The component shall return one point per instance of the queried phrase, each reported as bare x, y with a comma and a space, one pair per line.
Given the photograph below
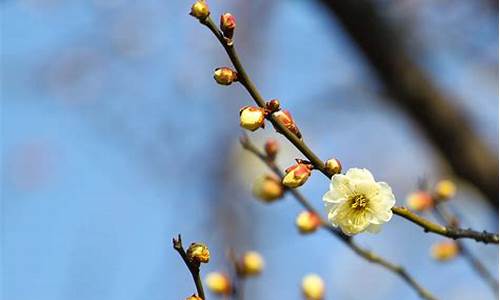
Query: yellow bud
296, 175
313, 287
445, 189
333, 166
198, 253
200, 10
268, 188
307, 222
444, 251
252, 117
251, 264
420, 201
218, 283
225, 76
194, 297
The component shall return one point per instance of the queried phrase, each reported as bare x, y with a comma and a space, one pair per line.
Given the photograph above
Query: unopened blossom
285, 118
296, 175
225, 76
420, 201
307, 222
445, 189
200, 10
252, 117
444, 251
333, 166
198, 253
313, 287
251, 263
218, 283
356, 202
271, 147
194, 297
227, 25
268, 188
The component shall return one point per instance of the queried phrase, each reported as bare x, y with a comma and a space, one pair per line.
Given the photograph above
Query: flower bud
225, 76
198, 253
268, 188
273, 105
313, 287
444, 251
333, 166
271, 147
252, 117
227, 25
307, 222
194, 297
218, 283
420, 201
200, 10
251, 263
445, 189
296, 175
285, 118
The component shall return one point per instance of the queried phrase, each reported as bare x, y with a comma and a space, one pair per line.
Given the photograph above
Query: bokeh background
115, 138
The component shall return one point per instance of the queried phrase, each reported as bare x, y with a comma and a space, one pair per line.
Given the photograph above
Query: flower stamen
358, 201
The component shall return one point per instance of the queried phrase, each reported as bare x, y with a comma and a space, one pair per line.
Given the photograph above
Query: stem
475, 263
448, 231
368, 255
318, 164
194, 269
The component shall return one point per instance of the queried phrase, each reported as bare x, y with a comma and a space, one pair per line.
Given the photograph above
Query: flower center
358, 201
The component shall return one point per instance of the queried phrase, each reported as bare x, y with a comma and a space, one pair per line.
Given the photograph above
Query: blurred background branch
446, 126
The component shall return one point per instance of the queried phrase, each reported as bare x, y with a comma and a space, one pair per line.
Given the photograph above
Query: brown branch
193, 268
318, 164
444, 123
368, 255
448, 231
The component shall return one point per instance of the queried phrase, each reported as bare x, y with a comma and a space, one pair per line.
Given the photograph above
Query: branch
318, 164
448, 231
368, 255
193, 268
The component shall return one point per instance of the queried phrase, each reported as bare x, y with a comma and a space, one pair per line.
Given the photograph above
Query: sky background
115, 138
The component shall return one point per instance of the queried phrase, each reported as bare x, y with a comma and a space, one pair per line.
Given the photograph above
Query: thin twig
368, 255
318, 164
448, 218
193, 268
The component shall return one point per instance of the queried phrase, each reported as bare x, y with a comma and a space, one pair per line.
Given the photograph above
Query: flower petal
360, 174
374, 228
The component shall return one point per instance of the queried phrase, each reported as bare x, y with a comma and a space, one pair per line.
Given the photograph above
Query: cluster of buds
445, 189
313, 287
445, 251
297, 174
271, 147
420, 201
200, 10
285, 118
227, 26
252, 117
268, 188
194, 297
225, 76
307, 222
251, 263
198, 253
333, 166
219, 283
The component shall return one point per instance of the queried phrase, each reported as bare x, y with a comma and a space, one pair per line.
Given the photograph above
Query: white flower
356, 202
